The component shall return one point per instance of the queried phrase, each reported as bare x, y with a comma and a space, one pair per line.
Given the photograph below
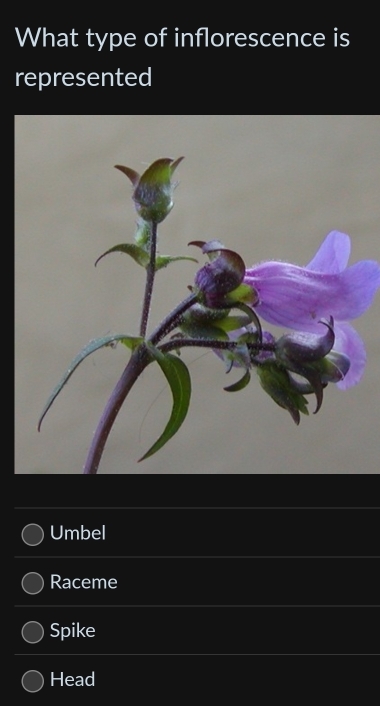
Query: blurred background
268, 186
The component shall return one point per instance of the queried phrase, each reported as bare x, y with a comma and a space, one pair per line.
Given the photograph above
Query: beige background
269, 186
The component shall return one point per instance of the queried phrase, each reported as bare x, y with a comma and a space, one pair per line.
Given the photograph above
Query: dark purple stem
137, 363
208, 343
172, 320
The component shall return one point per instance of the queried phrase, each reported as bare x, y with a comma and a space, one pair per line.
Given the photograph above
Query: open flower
299, 297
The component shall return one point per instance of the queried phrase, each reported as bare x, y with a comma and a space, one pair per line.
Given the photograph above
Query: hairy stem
172, 320
208, 343
137, 363
150, 272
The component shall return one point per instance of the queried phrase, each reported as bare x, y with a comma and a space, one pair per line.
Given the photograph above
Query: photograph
197, 294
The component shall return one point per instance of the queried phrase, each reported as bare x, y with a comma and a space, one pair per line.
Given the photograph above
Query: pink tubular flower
298, 297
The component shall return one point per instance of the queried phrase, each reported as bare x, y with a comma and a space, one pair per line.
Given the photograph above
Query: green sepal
314, 378
133, 176
243, 293
231, 323
93, 345
240, 384
139, 254
143, 235
159, 173
212, 331
279, 386
238, 357
212, 248
179, 381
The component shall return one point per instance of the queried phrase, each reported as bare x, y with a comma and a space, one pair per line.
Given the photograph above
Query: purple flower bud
220, 277
300, 348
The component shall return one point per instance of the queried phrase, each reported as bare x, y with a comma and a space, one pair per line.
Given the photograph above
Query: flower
299, 297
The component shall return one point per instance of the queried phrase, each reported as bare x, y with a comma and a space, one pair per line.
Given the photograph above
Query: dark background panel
123, 491
215, 76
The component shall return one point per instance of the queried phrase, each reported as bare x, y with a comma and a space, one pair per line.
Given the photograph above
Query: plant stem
137, 363
150, 272
140, 358
172, 320
210, 343
196, 343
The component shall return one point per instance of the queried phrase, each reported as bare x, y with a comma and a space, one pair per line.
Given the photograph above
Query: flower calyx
311, 357
219, 283
153, 190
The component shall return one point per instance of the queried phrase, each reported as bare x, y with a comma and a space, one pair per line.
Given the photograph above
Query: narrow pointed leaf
91, 347
240, 384
179, 381
139, 254
165, 260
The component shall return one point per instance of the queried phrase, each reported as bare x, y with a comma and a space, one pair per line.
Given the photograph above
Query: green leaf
164, 260
179, 381
240, 384
142, 257
91, 347
139, 254
130, 341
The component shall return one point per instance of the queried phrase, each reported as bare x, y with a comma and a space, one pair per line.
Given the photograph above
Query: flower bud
298, 348
153, 192
221, 277
216, 279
